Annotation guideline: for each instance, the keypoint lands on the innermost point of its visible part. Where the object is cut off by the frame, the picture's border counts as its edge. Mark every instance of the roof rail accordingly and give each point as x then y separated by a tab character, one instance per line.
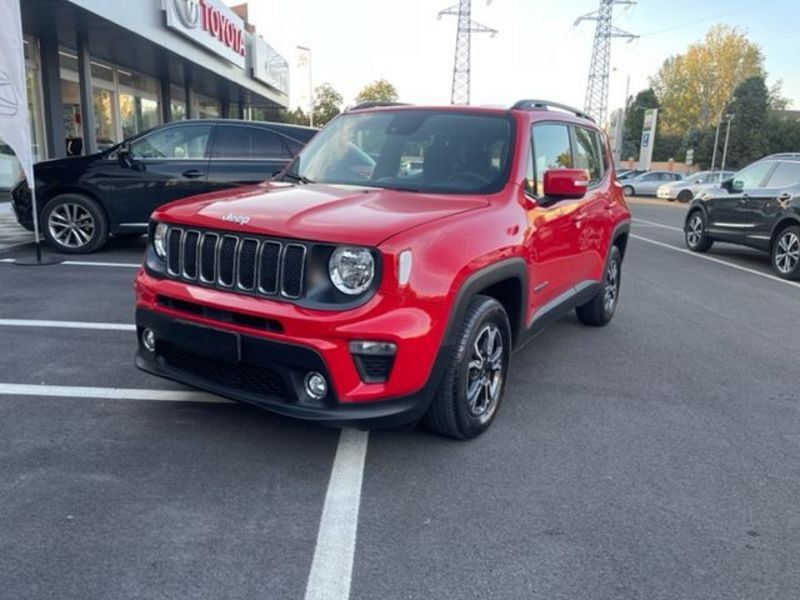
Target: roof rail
784	155
376	105
546	105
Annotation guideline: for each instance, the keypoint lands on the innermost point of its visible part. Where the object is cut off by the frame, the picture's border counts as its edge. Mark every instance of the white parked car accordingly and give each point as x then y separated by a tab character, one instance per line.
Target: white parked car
688	188
648	183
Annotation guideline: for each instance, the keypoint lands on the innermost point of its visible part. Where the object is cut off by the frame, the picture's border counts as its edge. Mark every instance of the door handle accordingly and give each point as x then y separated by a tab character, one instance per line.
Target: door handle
193	173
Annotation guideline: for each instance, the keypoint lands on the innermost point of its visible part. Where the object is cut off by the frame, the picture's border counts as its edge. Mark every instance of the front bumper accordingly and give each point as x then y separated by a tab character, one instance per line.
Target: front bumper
261	372
288	341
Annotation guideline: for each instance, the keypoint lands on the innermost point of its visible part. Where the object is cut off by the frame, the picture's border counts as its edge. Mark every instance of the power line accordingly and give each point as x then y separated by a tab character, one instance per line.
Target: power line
596	103
461	63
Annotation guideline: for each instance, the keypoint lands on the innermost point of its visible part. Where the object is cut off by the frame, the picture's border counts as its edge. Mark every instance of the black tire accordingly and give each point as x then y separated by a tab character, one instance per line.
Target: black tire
628	190
74	224
685	196
601	308
451	413
696	233
785	253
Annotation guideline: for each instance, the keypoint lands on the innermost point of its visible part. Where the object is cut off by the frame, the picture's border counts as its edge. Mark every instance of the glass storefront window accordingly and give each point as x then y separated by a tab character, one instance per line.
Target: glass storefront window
137	114
207	108
105	132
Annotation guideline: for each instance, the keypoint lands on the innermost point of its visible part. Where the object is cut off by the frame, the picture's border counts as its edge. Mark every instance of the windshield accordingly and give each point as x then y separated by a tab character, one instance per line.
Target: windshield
416	150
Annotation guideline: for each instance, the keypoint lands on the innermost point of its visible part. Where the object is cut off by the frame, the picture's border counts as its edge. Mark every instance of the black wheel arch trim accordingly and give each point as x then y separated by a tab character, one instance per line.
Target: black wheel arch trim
783	223
511	268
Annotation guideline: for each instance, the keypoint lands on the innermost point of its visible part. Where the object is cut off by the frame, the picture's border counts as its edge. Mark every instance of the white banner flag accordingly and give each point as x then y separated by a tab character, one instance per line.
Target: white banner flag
14	124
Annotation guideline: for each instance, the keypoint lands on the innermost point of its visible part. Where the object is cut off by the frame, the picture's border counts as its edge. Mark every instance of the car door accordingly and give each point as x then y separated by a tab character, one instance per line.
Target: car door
552	237
591	220
647	183
728	218
762	208
245	155
166	164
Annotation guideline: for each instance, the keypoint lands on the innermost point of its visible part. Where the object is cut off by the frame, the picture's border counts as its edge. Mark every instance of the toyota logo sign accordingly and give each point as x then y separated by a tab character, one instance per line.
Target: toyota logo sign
188	12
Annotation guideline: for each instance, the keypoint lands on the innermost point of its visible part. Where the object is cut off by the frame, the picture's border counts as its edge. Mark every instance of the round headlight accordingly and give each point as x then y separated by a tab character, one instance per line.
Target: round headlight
160	240
351	269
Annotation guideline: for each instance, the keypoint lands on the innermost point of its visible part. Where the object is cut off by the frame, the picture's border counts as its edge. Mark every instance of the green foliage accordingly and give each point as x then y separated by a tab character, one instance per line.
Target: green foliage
293	117
669	146
748	141
377	91
327	104
694	88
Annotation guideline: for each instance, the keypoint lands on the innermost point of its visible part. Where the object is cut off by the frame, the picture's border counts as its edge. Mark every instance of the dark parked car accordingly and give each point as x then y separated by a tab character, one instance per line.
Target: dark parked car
84	199
758	207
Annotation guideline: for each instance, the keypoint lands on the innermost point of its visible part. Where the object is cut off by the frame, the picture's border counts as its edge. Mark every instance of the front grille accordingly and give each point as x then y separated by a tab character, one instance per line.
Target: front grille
255	380
246	264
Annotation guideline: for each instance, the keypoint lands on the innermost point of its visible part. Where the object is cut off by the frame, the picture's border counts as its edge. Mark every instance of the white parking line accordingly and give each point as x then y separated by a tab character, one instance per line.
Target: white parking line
717	260
86	263
70	391
654	224
332	566
66	324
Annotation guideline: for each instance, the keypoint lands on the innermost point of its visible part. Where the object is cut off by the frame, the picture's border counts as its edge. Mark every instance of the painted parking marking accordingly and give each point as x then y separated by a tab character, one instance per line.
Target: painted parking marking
332	566
717	260
66	324
86	263
72	391
655	224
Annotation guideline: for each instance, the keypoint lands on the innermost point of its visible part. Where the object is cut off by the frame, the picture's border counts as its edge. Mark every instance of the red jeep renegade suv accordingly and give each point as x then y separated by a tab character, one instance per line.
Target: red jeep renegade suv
390	270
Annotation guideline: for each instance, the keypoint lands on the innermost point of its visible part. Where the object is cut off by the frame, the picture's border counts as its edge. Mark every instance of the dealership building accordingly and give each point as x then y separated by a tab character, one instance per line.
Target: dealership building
100	71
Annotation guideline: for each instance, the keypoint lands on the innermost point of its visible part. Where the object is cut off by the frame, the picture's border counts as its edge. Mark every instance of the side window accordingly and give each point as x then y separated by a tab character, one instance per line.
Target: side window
181	142
752	176
551	150
786	174
586	154
247	143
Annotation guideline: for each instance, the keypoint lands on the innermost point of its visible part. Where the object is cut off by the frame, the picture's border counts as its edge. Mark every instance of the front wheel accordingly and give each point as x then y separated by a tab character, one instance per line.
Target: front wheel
786	253
74	224
697	239
628	190
601	308
475	376
685	196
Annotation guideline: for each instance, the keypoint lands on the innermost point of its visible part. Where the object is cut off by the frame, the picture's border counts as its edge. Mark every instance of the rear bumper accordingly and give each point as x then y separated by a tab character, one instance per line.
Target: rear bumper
264	372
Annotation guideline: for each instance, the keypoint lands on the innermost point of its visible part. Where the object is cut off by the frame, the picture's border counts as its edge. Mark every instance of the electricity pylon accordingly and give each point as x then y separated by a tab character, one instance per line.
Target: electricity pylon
596	103
461	66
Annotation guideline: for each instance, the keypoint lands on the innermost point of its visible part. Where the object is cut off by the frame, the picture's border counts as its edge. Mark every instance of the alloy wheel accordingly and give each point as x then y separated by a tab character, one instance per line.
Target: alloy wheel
71	225
787	252
694	232
485	372
611	287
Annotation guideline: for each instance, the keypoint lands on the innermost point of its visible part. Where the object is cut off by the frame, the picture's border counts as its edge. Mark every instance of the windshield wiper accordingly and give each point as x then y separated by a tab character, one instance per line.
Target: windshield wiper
298	178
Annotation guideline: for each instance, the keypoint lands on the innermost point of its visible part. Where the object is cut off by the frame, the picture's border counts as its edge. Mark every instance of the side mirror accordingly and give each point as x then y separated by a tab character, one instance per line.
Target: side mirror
560	184
124	155
736	185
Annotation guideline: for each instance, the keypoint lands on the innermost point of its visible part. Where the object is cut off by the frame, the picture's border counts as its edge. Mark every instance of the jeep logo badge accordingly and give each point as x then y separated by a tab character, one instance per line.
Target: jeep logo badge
233	218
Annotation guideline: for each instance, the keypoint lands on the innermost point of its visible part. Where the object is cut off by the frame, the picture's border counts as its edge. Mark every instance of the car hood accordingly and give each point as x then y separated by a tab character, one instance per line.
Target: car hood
70	162
319	212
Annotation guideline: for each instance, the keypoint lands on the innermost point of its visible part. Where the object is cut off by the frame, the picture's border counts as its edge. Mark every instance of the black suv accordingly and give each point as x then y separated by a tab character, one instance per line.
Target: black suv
758	207
83	199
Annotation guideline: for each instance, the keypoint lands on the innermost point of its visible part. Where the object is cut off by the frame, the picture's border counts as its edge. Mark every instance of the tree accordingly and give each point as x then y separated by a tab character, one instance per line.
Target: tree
694	88
377	91
750	107
634	121
327	104
294	117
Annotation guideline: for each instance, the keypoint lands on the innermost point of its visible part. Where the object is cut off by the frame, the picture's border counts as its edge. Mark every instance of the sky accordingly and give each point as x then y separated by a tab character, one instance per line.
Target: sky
537	53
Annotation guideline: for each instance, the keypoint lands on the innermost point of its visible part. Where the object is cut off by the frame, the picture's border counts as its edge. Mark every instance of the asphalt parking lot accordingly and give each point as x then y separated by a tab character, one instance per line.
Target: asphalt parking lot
658	457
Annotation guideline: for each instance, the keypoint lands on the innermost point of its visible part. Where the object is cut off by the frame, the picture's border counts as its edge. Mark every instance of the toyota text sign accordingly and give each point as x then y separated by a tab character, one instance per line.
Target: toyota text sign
211	24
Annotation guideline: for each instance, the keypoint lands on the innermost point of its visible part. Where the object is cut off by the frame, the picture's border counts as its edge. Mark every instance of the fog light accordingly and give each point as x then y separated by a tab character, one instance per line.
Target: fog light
149	340
373	348
316	386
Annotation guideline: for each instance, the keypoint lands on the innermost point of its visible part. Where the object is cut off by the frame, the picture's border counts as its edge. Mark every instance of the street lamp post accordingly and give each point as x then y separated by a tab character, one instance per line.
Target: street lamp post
716	143
727	134
307	60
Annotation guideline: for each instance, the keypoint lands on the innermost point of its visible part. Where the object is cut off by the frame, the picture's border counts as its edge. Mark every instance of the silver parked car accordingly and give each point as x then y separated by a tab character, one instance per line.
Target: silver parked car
688	188
647	184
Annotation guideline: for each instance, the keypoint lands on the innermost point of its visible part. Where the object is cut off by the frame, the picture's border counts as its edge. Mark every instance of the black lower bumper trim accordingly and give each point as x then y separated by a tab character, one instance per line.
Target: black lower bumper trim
288	360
